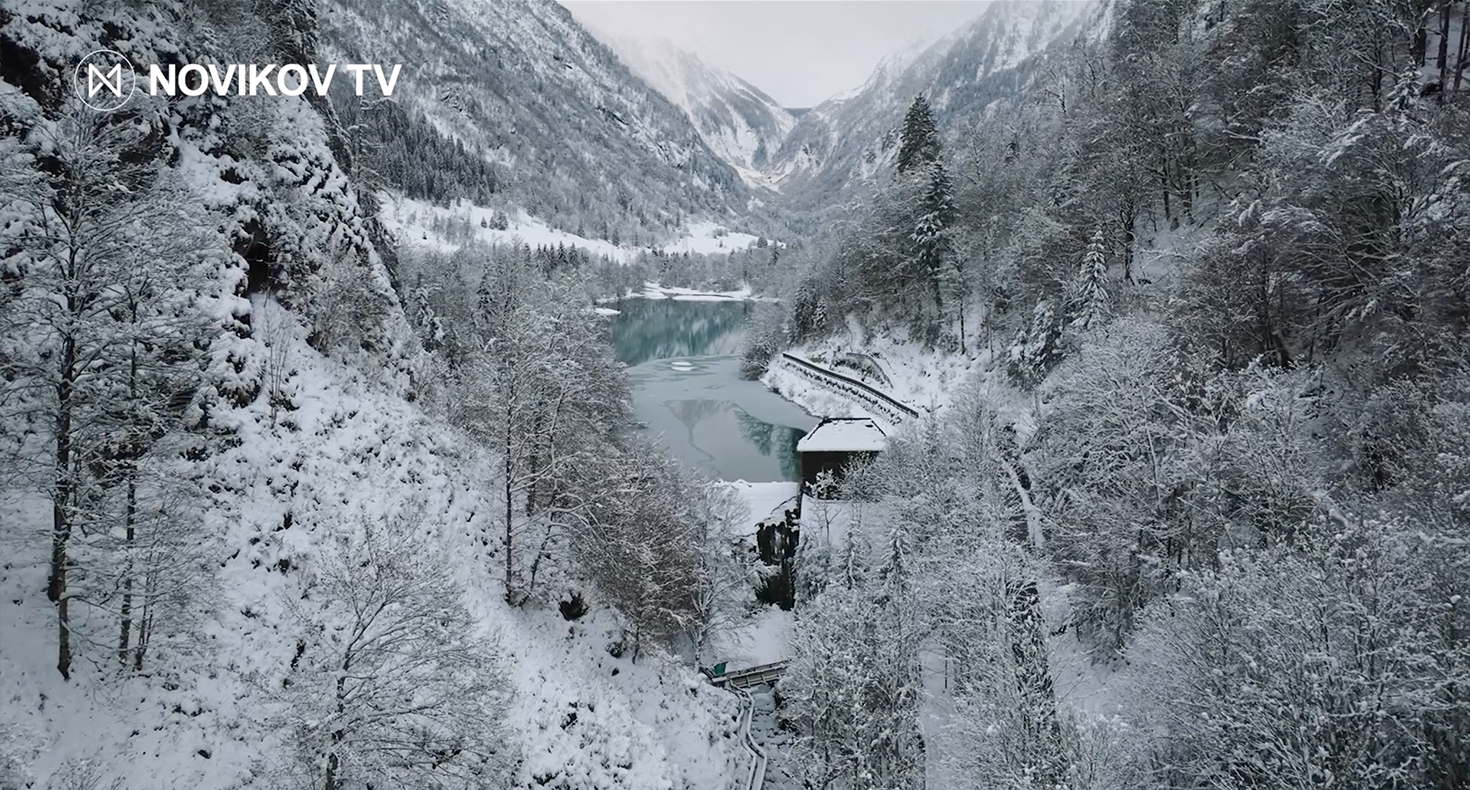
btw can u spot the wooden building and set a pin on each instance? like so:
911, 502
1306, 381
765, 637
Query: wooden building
837, 442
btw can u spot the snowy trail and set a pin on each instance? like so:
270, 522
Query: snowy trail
757, 775
738, 683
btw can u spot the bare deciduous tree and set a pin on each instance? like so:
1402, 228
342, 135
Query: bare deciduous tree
657, 543
106, 342
395, 683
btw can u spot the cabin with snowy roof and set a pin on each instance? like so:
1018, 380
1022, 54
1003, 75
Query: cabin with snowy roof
837, 442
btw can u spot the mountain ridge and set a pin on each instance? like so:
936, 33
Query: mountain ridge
813, 157
570, 133
841, 142
739, 122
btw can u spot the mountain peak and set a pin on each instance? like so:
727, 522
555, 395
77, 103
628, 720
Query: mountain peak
739, 122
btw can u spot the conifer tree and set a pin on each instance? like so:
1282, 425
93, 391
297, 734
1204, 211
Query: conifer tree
1035, 350
931, 238
919, 138
1089, 292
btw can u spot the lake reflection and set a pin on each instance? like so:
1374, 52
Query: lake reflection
648, 329
687, 390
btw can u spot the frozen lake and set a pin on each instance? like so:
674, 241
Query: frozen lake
688, 393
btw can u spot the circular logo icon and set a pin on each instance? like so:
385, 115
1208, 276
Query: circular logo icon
104, 80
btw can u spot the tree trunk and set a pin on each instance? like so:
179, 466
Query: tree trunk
963, 349
1377, 81
1128, 219
534, 464
130, 517
1442, 61
1463, 53
329, 782
1164, 181
126, 612
509, 511
1187, 187
145, 628
61, 502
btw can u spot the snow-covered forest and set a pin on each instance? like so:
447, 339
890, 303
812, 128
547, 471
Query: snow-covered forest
319, 467
290, 501
1217, 263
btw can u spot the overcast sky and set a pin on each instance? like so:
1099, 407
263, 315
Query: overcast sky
798, 51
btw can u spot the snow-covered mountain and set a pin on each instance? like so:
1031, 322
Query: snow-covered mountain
739, 122
844, 140
573, 137
814, 154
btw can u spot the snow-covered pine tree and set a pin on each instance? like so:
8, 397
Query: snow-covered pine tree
1089, 296
918, 138
896, 751
1036, 348
893, 573
933, 244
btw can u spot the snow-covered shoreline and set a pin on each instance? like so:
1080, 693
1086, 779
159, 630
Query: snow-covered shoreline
652, 290
421, 223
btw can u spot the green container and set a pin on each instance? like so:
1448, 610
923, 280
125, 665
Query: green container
720, 668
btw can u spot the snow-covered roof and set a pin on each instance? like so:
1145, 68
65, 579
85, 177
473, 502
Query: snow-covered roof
844, 435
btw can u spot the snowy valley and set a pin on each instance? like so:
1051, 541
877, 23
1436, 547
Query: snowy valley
1079, 400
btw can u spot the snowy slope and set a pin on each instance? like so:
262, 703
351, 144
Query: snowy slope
823, 130
348, 448
739, 122
520, 83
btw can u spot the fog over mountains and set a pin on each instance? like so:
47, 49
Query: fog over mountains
836, 145
520, 85
740, 123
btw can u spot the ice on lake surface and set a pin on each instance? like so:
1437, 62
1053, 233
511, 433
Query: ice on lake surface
687, 390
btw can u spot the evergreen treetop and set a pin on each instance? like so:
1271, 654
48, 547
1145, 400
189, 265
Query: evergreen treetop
919, 139
1090, 295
